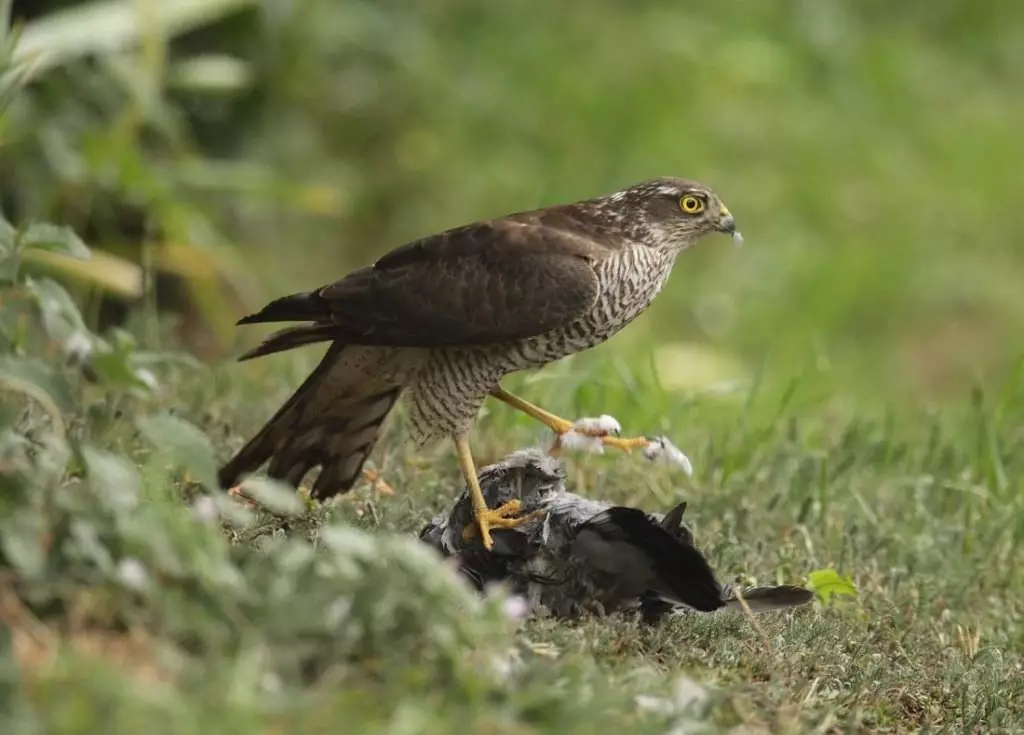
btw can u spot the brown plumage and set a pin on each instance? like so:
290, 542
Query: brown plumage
444, 318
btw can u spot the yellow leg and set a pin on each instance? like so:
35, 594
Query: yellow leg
561, 426
486, 518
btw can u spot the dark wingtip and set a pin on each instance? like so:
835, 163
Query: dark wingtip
298, 307
680, 567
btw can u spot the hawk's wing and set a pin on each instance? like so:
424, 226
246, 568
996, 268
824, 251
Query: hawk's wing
484, 283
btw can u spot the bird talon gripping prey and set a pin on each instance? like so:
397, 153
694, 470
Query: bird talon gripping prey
440, 321
586, 434
497, 518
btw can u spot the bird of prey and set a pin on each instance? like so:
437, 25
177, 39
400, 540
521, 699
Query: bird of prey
441, 320
580, 555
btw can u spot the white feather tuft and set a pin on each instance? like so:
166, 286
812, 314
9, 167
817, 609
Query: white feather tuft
662, 450
598, 426
574, 441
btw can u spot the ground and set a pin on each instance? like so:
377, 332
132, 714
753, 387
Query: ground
136, 599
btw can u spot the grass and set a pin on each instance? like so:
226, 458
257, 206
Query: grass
121, 588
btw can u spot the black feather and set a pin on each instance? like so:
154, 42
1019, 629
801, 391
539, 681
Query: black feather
682, 571
772, 597
673, 523
673, 520
653, 607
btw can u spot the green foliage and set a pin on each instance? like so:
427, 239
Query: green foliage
828, 583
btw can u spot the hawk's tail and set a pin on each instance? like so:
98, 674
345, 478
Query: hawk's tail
332, 421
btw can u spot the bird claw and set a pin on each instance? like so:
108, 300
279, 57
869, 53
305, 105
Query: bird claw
660, 449
593, 434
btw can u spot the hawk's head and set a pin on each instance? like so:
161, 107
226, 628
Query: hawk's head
674, 213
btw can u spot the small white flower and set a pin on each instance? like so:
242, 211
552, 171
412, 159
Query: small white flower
132, 573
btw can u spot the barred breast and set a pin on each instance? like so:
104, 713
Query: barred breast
447, 393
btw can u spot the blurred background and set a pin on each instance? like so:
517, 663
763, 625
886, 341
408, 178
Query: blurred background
222, 152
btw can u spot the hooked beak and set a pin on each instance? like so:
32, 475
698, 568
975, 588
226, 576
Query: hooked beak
727, 224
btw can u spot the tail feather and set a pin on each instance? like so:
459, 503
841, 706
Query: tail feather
332, 421
767, 598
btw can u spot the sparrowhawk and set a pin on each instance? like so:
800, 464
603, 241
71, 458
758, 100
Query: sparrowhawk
441, 320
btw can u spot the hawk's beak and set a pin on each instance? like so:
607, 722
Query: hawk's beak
727, 224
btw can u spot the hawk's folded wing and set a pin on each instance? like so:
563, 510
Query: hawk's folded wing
480, 284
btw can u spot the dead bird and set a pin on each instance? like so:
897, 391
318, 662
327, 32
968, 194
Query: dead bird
581, 555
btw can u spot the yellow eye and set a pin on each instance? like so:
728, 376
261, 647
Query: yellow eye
691, 205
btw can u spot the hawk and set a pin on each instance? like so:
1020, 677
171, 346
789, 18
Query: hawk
582, 555
441, 320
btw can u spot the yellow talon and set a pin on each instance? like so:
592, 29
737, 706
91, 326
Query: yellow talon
561, 426
625, 445
497, 518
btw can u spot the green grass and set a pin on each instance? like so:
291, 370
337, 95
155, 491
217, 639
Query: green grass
336, 616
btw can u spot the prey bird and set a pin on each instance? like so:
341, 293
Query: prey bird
579, 555
441, 320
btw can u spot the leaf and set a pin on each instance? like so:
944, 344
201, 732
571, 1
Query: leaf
276, 497
106, 26
104, 271
184, 444
22, 543
39, 381
112, 478
117, 364
61, 318
828, 583
55, 239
